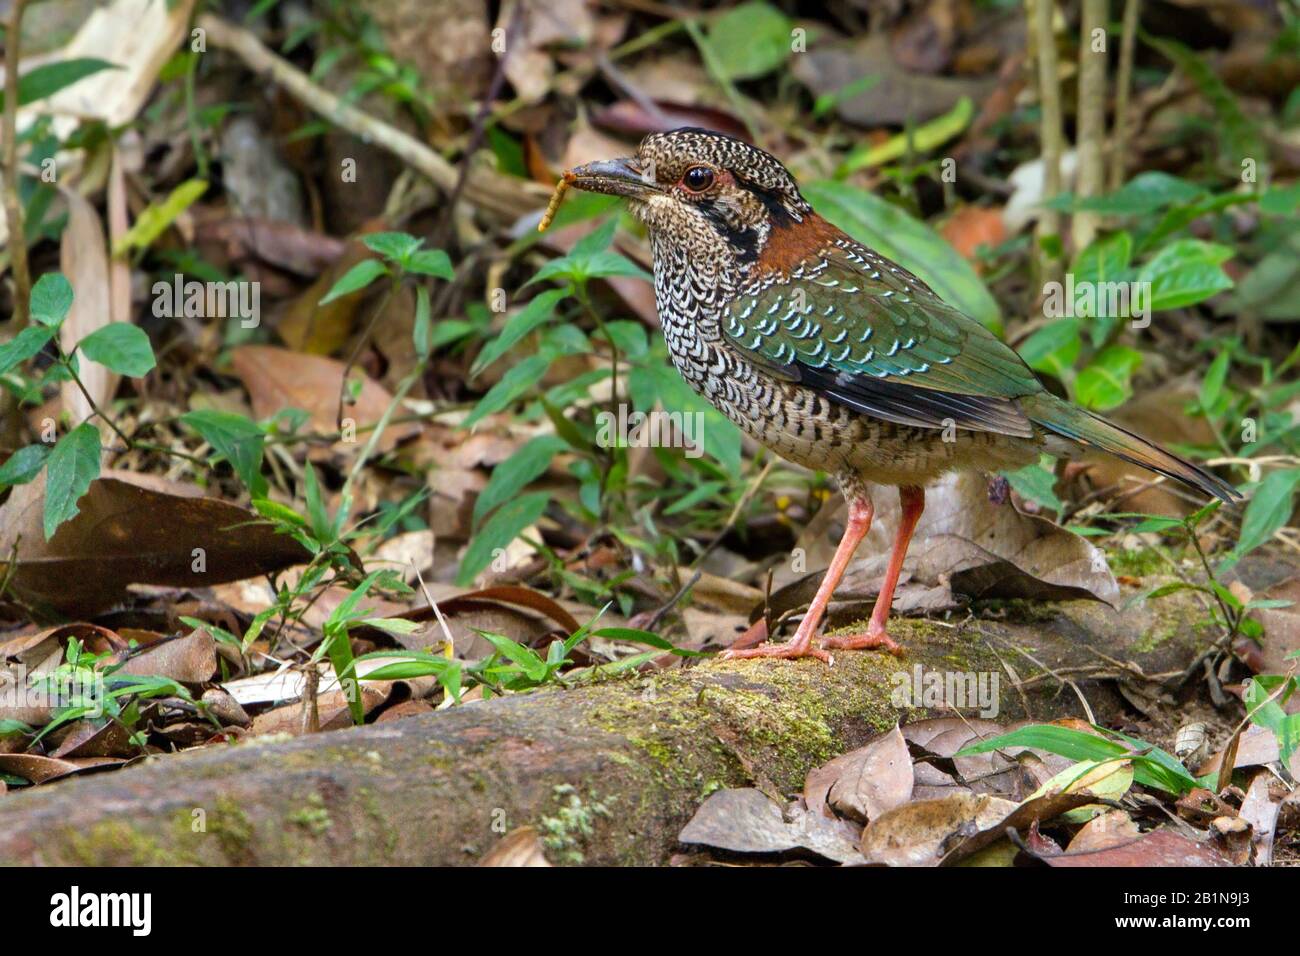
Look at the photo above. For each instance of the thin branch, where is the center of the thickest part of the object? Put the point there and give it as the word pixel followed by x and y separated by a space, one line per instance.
pixel 13 205
pixel 1049 97
pixel 1091 135
pixel 1123 89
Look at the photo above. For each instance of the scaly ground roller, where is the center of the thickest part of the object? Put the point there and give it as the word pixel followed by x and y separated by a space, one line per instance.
pixel 833 356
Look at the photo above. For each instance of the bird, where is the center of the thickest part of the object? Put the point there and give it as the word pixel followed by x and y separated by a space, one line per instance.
pixel 832 356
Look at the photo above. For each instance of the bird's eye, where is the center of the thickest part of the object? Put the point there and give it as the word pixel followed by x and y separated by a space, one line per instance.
pixel 698 179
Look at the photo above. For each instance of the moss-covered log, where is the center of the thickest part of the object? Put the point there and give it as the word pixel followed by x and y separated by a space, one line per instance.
pixel 608 773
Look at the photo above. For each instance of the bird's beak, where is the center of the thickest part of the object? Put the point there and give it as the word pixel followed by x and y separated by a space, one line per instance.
pixel 619 177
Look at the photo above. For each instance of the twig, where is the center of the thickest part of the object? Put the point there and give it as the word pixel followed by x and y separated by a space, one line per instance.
pixel 672 602
pixel 735 513
pixel 507 196
pixel 1123 89
pixel 13 205
pixel 1049 98
pixel 1091 135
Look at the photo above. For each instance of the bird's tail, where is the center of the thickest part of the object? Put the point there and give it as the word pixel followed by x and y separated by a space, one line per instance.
pixel 1070 421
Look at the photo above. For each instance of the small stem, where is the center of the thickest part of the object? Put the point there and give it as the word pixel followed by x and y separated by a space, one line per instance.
pixel 12 203
pixel 1049 98
pixel 1123 89
pixel 720 77
pixel 96 411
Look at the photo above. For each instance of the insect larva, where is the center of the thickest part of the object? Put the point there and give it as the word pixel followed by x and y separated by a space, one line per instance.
pixel 554 206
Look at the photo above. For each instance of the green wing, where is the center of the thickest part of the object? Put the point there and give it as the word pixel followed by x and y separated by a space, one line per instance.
pixel 871 336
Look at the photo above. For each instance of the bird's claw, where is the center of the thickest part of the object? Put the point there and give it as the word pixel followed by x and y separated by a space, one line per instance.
pixel 863 642
pixel 788 651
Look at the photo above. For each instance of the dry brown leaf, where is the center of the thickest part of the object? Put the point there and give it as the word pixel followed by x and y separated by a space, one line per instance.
pixel 133 529
pixel 1106 830
pixel 40 769
pixel 747 821
pixel 863 783
pixel 920 833
pixel 520 847
pixel 191 659
pixel 277 379
pixel 1162 847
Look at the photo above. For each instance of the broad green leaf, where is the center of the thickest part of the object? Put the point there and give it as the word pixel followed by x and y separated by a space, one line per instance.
pixel 398 246
pixel 1037 484
pixel 1269 509
pixel 120 347
pixel 235 439
pixel 498 531
pixel 71 467
pixel 1054 348
pixel 23 346
pixel 47 79
pixel 895 234
pixel 1185 272
pixel 539 310
pixel 750 40
pixel 713 432
pixel 51 299
pixel 158 216
pixel 24 464
pixel 356 278
pixel 431 262
pixel 1144 193
pixel 517 380
pixel 1107 381
pixel 513 475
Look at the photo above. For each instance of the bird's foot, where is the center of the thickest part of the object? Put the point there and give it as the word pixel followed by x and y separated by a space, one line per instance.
pixel 794 649
pixel 861 642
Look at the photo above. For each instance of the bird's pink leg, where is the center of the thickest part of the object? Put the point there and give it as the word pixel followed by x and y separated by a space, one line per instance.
pixel 860 512
pixel 912 500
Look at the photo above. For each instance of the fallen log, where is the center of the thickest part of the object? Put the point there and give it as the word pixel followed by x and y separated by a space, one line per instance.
pixel 607 773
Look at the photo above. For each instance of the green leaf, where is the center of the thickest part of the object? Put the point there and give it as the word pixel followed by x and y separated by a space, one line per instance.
pixel 1156 768
pixel 1107 381
pixel 534 668
pixel 513 475
pixel 1215 376
pixel 398 246
pixel 502 528
pixel 24 464
pixel 539 311
pixel 922 139
pixel 1185 272
pixel 46 80
pixel 715 433
pixel 431 262
pixel 235 439
pixel 51 299
pixel 1054 348
pixel 422 329
pixel 1269 509
pixel 355 279
pixel 23 346
pixel 72 466
pixel 517 380
pixel 155 219
pixel 1037 484
pixel 750 40
pixel 120 347
pixel 1144 193
pixel 896 235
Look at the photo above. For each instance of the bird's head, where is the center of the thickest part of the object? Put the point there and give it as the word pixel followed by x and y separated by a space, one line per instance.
pixel 699 192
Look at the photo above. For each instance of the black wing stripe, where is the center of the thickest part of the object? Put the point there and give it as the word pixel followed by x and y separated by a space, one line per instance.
pixel 919 407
